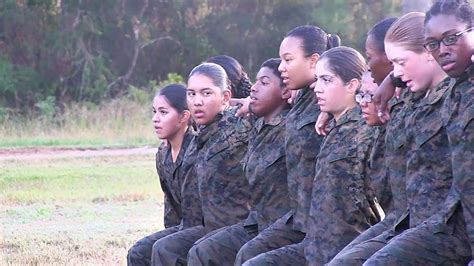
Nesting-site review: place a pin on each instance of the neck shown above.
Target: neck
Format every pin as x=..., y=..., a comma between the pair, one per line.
x=176, y=142
x=338, y=115
x=268, y=117
x=438, y=76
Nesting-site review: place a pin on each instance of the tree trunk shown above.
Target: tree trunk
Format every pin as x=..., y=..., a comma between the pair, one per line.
x=416, y=5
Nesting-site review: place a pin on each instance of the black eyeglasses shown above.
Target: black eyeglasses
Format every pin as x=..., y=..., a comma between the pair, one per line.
x=448, y=40
x=363, y=98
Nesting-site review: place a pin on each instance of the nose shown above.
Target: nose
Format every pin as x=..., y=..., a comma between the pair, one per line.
x=397, y=71
x=197, y=100
x=254, y=87
x=443, y=49
x=156, y=118
x=318, y=88
x=281, y=66
x=363, y=104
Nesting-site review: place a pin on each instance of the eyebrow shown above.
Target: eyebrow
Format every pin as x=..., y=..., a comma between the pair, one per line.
x=397, y=60
x=325, y=76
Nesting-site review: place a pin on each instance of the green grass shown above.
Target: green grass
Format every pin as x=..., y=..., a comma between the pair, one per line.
x=77, y=211
x=91, y=179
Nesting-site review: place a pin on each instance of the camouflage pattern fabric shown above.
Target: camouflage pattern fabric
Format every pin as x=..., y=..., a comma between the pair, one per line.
x=395, y=156
x=288, y=255
x=173, y=249
x=175, y=183
x=221, y=246
x=182, y=204
x=223, y=186
x=343, y=200
x=265, y=167
x=301, y=147
x=276, y=238
x=377, y=170
x=140, y=253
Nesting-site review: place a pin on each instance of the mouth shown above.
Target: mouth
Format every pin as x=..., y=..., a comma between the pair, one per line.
x=448, y=65
x=285, y=80
x=320, y=101
x=409, y=82
x=157, y=128
x=198, y=114
x=253, y=99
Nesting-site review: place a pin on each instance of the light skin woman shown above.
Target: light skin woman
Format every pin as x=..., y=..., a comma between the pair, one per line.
x=343, y=203
x=170, y=121
x=217, y=151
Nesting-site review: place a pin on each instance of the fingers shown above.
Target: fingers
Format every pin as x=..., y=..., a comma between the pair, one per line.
x=398, y=92
x=322, y=124
x=383, y=112
x=243, y=106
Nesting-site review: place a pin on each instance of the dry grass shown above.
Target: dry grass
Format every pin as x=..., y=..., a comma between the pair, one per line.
x=77, y=211
x=121, y=122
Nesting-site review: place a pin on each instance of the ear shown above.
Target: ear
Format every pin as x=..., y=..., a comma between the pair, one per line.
x=314, y=59
x=353, y=85
x=185, y=116
x=285, y=93
x=227, y=94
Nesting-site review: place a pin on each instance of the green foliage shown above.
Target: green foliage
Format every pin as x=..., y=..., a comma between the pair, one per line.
x=170, y=79
x=99, y=50
x=46, y=107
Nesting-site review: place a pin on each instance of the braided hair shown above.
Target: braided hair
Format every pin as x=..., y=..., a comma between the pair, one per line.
x=239, y=81
x=462, y=9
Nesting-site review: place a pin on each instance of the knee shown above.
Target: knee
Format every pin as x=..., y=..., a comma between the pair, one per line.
x=243, y=255
x=134, y=256
x=344, y=260
x=261, y=259
x=201, y=254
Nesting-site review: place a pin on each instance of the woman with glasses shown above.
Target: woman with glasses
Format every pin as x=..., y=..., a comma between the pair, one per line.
x=449, y=36
x=426, y=181
x=343, y=203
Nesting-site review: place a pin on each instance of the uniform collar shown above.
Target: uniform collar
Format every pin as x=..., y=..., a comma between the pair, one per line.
x=275, y=121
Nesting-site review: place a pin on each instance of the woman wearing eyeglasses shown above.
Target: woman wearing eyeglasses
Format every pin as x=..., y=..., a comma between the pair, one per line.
x=427, y=180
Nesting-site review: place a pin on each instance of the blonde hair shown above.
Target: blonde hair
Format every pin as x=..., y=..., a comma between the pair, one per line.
x=408, y=32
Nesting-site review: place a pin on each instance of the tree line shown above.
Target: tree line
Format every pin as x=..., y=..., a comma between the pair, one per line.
x=87, y=50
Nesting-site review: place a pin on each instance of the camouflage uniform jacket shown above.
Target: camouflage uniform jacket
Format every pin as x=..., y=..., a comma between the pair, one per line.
x=395, y=155
x=301, y=147
x=181, y=198
x=458, y=117
x=223, y=186
x=265, y=168
x=343, y=201
x=376, y=169
x=428, y=175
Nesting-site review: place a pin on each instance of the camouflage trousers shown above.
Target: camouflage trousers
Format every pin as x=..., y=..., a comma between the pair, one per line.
x=356, y=253
x=140, y=253
x=426, y=244
x=173, y=249
x=221, y=246
x=278, y=244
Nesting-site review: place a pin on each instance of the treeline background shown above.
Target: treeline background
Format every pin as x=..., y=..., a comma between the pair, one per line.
x=57, y=52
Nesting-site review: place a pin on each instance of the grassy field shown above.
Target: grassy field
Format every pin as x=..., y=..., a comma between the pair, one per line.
x=77, y=210
x=116, y=123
